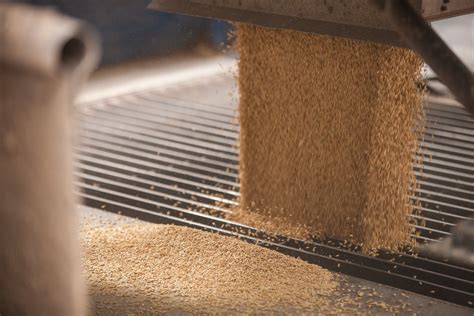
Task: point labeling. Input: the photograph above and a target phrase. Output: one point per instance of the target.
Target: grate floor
(170, 155)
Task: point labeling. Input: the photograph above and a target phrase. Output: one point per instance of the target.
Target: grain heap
(328, 132)
(136, 268)
(161, 268)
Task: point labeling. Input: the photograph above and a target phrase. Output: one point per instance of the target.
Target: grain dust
(328, 130)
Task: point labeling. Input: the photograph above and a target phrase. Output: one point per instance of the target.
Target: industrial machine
(399, 23)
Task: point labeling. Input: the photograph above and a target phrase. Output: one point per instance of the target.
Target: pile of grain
(327, 133)
(146, 268)
(136, 268)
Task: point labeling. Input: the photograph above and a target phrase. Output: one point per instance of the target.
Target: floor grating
(170, 155)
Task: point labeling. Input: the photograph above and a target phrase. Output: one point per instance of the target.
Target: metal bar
(158, 129)
(352, 19)
(291, 15)
(187, 152)
(144, 172)
(98, 148)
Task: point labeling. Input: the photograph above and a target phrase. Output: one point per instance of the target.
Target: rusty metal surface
(43, 59)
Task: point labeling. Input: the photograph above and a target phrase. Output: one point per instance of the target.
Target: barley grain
(137, 268)
(327, 133)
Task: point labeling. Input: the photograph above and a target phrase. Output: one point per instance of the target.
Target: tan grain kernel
(328, 130)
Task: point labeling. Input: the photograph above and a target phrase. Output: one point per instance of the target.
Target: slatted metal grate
(447, 179)
(170, 155)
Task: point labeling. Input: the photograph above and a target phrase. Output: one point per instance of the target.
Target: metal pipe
(43, 59)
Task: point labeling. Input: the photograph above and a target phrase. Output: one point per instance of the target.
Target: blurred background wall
(130, 31)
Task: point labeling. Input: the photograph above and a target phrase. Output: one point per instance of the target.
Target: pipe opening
(72, 52)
